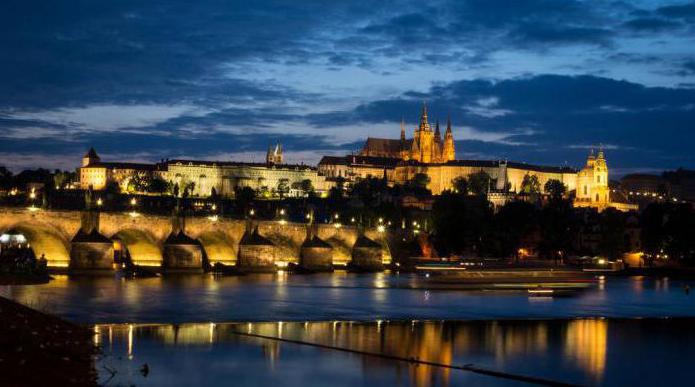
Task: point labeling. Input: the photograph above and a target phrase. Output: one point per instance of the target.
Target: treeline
(50, 179)
(467, 224)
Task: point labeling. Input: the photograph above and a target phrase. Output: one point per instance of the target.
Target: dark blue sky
(529, 80)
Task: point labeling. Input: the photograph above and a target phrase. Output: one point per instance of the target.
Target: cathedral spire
(448, 125)
(424, 124)
(402, 129)
(437, 133)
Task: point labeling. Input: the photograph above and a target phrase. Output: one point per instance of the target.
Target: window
(586, 191)
(597, 197)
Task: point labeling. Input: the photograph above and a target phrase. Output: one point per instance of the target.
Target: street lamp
(99, 202)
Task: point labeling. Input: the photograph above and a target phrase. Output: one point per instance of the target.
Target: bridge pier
(90, 251)
(315, 254)
(256, 252)
(182, 254)
(366, 255)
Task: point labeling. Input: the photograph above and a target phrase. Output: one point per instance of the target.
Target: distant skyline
(537, 81)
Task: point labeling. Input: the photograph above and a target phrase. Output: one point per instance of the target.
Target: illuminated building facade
(203, 176)
(426, 146)
(226, 176)
(96, 174)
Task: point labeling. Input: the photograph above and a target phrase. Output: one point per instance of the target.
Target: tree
(460, 222)
(158, 185)
(479, 183)
(460, 185)
(420, 180)
(307, 187)
(112, 188)
(6, 178)
(555, 188)
(62, 179)
(336, 192)
(283, 187)
(612, 243)
(530, 184)
(188, 189)
(515, 221)
(558, 226)
(244, 196)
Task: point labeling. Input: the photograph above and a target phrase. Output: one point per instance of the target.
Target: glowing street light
(133, 202)
(252, 212)
(99, 202)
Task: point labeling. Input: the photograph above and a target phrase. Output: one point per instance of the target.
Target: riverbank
(14, 279)
(37, 349)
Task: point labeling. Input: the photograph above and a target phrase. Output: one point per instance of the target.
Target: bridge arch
(219, 247)
(45, 240)
(143, 247)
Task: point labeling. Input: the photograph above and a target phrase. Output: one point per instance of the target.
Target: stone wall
(91, 256)
(182, 258)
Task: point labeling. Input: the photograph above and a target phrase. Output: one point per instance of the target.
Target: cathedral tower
(423, 141)
(448, 150)
(274, 155)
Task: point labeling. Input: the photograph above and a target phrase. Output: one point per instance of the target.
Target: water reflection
(525, 347)
(586, 342)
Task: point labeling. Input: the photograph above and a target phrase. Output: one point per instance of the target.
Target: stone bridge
(51, 233)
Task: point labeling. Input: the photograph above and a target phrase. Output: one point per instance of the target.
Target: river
(191, 330)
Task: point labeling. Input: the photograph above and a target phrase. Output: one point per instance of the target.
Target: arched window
(586, 191)
(597, 197)
(598, 178)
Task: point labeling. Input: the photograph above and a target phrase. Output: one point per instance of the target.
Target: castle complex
(399, 161)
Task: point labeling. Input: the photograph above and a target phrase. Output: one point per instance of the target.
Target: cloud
(651, 24)
(174, 77)
(682, 11)
(94, 118)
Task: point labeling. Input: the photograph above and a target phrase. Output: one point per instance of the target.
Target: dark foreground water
(585, 351)
(620, 331)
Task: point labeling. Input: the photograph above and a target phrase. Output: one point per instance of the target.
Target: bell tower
(448, 151)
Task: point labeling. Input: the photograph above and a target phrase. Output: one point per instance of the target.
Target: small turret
(90, 157)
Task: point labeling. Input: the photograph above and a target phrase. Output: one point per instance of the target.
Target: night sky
(536, 81)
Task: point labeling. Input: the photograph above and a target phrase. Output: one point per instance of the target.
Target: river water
(191, 330)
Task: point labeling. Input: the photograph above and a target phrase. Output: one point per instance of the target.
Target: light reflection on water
(585, 351)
